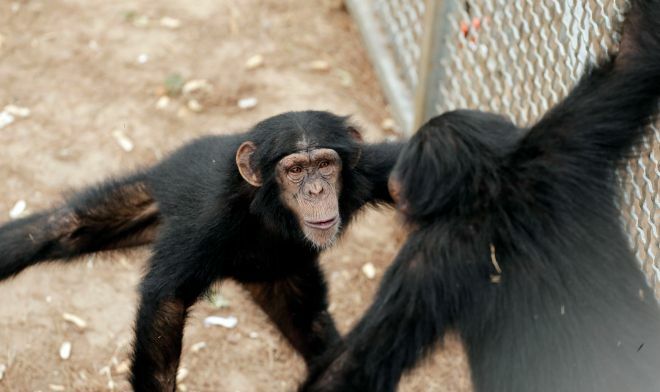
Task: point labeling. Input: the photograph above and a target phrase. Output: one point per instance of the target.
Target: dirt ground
(92, 74)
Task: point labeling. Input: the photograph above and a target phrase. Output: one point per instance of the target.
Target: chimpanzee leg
(168, 290)
(298, 305)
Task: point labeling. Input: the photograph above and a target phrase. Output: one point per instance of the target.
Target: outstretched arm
(375, 164)
(412, 309)
(604, 115)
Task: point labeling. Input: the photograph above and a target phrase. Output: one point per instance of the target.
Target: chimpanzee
(515, 241)
(256, 207)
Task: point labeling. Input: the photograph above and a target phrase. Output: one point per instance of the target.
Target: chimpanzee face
(310, 185)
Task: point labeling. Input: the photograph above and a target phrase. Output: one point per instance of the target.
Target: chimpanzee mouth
(322, 224)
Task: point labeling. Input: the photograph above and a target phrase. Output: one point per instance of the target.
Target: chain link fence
(517, 58)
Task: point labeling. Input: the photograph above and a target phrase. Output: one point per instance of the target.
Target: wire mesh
(401, 21)
(519, 58)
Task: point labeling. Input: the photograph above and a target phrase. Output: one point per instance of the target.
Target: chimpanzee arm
(375, 165)
(176, 278)
(603, 117)
(298, 306)
(411, 311)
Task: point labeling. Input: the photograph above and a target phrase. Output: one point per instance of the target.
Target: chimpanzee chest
(267, 260)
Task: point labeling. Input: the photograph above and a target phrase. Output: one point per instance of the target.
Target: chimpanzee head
(300, 162)
(450, 164)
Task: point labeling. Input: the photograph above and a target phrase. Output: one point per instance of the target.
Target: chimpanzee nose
(315, 189)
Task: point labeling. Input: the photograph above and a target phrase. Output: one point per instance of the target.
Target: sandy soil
(88, 69)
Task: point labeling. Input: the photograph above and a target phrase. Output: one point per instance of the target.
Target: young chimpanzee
(256, 207)
(516, 243)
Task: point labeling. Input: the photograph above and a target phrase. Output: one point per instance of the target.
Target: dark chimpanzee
(256, 207)
(516, 243)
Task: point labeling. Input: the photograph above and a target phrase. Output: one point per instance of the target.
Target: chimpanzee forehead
(310, 156)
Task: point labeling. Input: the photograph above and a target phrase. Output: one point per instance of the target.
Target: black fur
(209, 224)
(570, 310)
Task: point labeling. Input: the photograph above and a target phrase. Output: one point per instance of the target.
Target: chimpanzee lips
(321, 224)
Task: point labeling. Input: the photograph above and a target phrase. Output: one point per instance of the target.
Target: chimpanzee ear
(243, 155)
(355, 135)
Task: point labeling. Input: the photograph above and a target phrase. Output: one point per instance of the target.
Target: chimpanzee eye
(295, 170)
(324, 164)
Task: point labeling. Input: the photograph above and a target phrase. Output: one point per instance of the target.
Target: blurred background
(90, 88)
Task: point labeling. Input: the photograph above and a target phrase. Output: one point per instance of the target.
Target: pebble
(247, 103)
(18, 209)
(255, 61)
(369, 270)
(65, 350)
(170, 23)
(227, 322)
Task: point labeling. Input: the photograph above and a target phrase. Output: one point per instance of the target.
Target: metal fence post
(436, 29)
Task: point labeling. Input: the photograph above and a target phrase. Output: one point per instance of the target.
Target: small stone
(18, 209)
(196, 85)
(319, 65)
(195, 106)
(143, 58)
(18, 111)
(163, 102)
(73, 319)
(123, 367)
(93, 45)
(247, 103)
(3, 369)
(197, 347)
(254, 335)
(65, 350)
(369, 270)
(6, 119)
(56, 387)
(170, 23)
(227, 322)
(255, 61)
(181, 374)
(124, 142)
